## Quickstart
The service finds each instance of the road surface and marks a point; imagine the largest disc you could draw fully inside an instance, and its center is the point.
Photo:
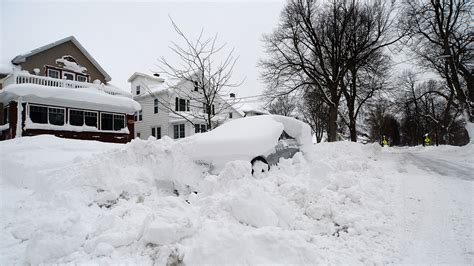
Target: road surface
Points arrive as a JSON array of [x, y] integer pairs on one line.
[[437, 212]]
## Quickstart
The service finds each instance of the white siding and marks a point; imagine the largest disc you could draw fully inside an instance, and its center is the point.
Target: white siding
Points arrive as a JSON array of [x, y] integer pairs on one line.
[[162, 119], [150, 119]]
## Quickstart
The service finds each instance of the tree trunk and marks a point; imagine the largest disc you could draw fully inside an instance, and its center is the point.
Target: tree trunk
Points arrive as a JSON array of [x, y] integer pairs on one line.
[[353, 131], [332, 123], [352, 122]]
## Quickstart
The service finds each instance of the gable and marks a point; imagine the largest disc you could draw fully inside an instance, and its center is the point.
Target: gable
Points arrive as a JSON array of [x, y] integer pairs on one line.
[[47, 57]]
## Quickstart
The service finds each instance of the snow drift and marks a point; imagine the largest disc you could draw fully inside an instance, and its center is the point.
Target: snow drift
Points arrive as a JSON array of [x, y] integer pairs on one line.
[[146, 202]]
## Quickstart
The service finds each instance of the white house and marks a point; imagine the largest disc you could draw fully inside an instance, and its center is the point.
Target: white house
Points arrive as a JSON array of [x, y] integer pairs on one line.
[[174, 110]]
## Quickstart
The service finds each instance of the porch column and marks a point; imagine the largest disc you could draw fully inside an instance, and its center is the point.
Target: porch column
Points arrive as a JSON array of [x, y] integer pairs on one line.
[[19, 118]]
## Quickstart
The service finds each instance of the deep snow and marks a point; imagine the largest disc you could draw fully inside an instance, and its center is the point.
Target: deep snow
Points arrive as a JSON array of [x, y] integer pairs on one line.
[[146, 202]]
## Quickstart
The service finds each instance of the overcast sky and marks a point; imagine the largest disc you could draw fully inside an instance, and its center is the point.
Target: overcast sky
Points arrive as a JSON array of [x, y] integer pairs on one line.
[[125, 37]]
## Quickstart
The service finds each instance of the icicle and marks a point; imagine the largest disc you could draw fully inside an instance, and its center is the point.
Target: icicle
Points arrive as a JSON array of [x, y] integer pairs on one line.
[[19, 120]]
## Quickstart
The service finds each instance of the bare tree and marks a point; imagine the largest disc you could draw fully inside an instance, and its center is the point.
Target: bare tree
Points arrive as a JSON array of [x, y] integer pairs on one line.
[[282, 105], [371, 29], [204, 76], [317, 45], [431, 106], [307, 49], [315, 113], [441, 37]]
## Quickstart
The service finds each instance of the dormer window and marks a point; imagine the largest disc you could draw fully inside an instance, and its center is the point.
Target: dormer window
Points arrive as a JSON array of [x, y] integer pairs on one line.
[[68, 75], [81, 78], [53, 73]]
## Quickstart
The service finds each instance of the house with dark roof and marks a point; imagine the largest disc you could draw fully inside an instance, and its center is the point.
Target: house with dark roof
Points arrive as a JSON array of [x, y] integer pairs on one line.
[[61, 89]]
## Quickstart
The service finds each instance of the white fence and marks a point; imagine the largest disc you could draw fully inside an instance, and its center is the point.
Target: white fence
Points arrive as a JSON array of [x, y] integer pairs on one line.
[[20, 78]]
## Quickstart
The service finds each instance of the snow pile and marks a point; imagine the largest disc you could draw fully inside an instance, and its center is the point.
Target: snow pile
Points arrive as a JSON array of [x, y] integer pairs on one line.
[[147, 202], [6, 68], [83, 98], [70, 201], [68, 63], [470, 131]]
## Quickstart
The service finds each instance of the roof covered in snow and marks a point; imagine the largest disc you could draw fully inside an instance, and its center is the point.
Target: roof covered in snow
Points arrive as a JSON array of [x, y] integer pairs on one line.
[[22, 58], [83, 98], [251, 107], [139, 74]]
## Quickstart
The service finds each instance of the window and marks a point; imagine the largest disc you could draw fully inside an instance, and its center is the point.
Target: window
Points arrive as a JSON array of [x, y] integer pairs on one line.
[[200, 128], [39, 114], [209, 110], [106, 121], [119, 122], [155, 106], [179, 131], [138, 134], [81, 78], [76, 118], [90, 118], [140, 115], [45, 115], [196, 86], [6, 115], [56, 116], [135, 116], [230, 115], [68, 75], [113, 122], [137, 90], [156, 132], [81, 118], [53, 73], [181, 105]]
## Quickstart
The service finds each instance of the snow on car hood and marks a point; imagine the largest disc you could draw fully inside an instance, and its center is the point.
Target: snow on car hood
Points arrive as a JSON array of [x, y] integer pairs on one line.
[[245, 138]]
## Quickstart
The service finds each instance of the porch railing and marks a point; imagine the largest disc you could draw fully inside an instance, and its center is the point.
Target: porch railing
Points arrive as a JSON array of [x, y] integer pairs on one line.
[[21, 78]]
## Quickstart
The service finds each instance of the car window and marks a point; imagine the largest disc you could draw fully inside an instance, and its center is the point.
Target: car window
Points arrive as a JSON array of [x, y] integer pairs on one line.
[[285, 135]]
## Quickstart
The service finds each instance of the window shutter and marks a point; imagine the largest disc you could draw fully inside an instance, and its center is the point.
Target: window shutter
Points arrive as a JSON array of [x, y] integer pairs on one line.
[[187, 105], [176, 104]]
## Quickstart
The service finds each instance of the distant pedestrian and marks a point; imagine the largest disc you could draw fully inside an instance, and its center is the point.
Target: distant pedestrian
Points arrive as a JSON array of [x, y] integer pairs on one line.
[[426, 141], [383, 141]]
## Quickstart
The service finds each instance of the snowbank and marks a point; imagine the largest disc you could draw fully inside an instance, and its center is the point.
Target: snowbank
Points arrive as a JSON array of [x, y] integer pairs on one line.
[[470, 131], [71, 201], [146, 202], [84, 98]]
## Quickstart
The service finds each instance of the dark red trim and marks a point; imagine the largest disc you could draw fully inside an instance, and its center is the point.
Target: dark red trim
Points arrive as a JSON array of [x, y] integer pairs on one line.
[[61, 70], [114, 137]]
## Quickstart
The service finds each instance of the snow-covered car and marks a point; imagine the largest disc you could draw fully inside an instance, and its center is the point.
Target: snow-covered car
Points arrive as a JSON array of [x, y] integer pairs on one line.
[[261, 140]]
